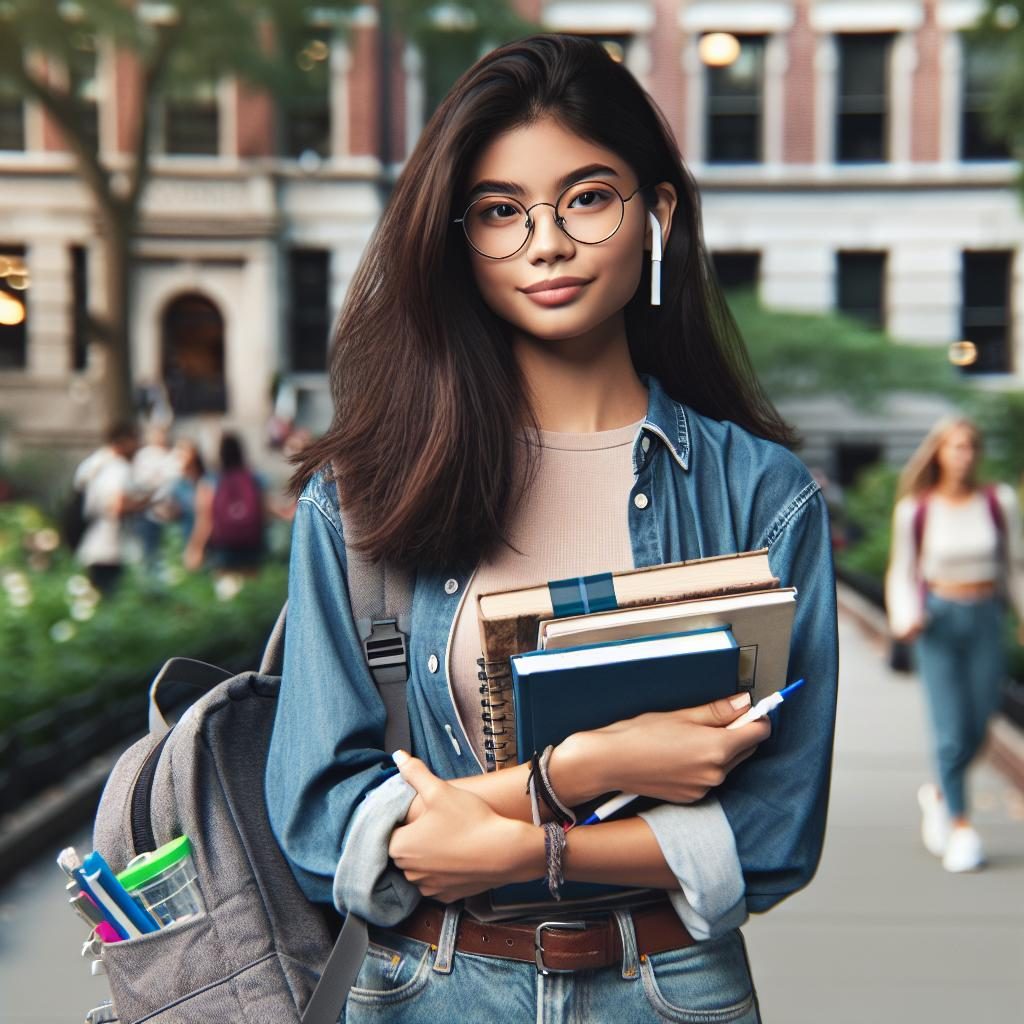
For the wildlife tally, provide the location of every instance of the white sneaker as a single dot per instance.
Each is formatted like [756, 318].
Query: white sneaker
[935, 823]
[963, 851]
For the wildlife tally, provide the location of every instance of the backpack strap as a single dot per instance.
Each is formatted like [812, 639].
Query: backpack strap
[338, 974]
[381, 599]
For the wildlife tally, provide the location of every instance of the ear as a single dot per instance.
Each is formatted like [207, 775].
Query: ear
[663, 209]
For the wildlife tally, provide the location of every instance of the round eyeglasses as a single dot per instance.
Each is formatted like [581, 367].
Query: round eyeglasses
[588, 211]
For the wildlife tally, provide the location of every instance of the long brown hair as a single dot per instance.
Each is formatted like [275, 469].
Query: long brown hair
[921, 473]
[428, 396]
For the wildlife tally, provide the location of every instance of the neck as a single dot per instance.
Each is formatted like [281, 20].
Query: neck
[954, 488]
[584, 384]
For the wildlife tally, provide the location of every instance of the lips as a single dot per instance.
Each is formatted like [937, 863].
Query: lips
[555, 283]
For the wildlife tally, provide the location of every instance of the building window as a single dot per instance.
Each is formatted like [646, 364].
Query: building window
[852, 458]
[860, 286]
[985, 311]
[14, 284]
[862, 100]
[306, 109]
[737, 269]
[734, 106]
[79, 307]
[84, 87]
[192, 120]
[981, 66]
[192, 334]
[310, 319]
[12, 119]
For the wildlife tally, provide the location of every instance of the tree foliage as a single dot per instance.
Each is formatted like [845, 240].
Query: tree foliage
[1001, 29]
[800, 355]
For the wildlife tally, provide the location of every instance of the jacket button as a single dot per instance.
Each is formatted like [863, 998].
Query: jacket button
[451, 586]
[645, 443]
[432, 663]
[640, 501]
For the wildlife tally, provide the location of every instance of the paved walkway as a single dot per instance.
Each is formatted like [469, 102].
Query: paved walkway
[882, 936]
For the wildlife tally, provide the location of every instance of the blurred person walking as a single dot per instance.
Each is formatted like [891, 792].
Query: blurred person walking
[177, 498]
[106, 482]
[154, 467]
[954, 562]
[230, 514]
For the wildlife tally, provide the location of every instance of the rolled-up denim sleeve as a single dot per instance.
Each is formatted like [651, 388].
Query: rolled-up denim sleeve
[326, 764]
[776, 801]
[699, 847]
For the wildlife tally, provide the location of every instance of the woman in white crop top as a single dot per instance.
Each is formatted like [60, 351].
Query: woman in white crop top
[955, 561]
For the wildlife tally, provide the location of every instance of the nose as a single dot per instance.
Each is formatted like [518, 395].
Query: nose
[547, 242]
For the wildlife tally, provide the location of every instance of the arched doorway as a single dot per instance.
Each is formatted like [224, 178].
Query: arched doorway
[192, 333]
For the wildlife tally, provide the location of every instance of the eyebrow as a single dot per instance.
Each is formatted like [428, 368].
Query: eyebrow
[510, 188]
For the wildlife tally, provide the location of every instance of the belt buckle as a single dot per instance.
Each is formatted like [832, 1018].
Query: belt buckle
[538, 947]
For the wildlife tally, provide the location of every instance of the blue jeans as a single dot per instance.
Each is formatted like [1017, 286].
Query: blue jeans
[404, 981]
[962, 659]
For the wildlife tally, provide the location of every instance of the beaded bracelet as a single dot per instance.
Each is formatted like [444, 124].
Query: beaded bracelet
[554, 845]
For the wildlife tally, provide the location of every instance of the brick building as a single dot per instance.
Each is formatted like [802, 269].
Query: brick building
[841, 158]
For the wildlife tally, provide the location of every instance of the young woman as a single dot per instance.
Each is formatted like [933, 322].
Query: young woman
[955, 559]
[512, 408]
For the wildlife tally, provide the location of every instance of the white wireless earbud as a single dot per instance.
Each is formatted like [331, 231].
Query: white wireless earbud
[655, 259]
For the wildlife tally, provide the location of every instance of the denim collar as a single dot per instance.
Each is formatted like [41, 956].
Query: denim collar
[666, 420]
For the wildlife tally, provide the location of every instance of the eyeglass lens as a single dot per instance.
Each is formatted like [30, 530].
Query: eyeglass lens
[498, 226]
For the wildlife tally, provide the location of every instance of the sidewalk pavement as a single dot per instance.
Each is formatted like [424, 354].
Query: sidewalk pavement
[883, 935]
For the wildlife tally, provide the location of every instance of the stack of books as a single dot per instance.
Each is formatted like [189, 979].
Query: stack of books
[643, 640]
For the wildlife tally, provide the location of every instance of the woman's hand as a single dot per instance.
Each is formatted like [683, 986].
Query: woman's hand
[676, 756]
[453, 845]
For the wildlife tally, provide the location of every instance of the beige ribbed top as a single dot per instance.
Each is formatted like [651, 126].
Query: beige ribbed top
[573, 523]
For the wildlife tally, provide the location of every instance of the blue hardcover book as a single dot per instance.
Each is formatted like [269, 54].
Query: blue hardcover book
[556, 693]
[560, 692]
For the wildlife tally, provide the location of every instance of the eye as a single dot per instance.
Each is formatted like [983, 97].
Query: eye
[589, 199]
[497, 212]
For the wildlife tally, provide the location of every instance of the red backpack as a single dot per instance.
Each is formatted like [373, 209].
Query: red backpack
[237, 511]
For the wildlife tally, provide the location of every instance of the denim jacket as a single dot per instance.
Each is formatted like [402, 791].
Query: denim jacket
[701, 487]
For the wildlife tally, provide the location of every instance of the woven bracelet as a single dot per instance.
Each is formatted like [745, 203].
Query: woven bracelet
[554, 845]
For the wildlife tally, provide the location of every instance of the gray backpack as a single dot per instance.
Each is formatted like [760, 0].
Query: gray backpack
[262, 952]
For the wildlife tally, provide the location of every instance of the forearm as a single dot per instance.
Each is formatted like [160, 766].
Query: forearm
[573, 771]
[617, 852]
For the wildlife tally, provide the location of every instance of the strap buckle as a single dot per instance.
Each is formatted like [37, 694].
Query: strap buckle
[538, 947]
[385, 647]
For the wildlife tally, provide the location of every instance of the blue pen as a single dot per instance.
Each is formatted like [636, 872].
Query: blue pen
[99, 876]
[759, 710]
[769, 703]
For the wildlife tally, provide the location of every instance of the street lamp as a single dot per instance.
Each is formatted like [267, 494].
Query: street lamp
[718, 49]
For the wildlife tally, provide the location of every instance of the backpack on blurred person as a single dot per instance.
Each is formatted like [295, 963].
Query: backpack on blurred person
[261, 951]
[237, 511]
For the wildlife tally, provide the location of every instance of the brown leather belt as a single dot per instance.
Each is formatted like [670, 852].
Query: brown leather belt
[554, 946]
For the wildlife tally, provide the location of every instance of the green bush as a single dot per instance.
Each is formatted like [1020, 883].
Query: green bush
[59, 637]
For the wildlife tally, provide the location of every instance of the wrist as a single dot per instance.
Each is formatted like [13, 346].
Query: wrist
[524, 854]
[578, 767]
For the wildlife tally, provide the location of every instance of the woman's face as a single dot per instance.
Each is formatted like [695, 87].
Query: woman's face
[539, 160]
[957, 455]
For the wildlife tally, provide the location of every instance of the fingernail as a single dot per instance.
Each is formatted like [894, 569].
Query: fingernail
[741, 700]
[400, 757]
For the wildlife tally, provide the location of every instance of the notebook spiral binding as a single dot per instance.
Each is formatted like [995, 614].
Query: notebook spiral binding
[496, 712]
